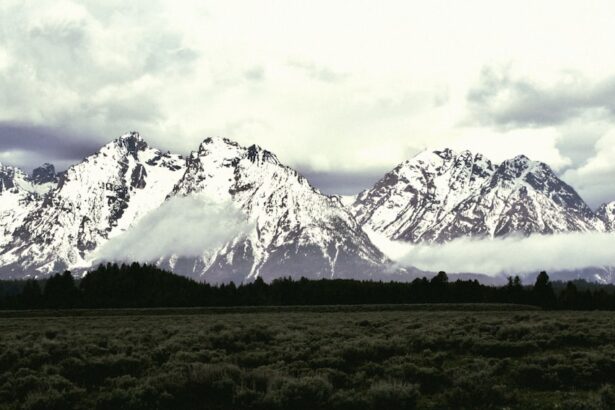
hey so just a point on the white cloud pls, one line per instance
(184, 227)
(509, 256)
(595, 180)
(367, 84)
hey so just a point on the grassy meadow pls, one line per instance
(317, 358)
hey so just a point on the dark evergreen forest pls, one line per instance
(143, 286)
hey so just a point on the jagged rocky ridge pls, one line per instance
(297, 230)
(443, 195)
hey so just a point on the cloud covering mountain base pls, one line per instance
(507, 256)
(182, 227)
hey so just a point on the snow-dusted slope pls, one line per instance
(606, 213)
(18, 197)
(297, 230)
(418, 193)
(93, 201)
(522, 196)
(440, 196)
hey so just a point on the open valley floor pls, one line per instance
(312, 359)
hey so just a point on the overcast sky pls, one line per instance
(342, 90)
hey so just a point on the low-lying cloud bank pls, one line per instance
(183, 227)
(508, 256)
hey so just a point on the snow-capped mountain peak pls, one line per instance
(443, 195)
(213, 144)
(258, 155)
(420, 191)
(94, 200)
(132, 142)
(297, 230)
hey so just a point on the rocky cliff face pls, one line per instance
(45, 174)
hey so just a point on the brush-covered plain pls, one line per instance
(310, 360)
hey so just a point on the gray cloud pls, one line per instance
(31, 145)
(598, 192)
(594, 178)
(342, 182)
(503, 100)
(577, 145)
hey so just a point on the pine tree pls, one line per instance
(60, 291)
(439, 285)
(543, 293)
(31, 295)
(569, 296)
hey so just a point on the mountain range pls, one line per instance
(297, 231)
(51, 222)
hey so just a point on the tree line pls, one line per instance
(141, 286)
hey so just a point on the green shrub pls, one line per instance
(536, 377)
(348, 400)
(94, 372)
(607, 397)
(305, 393)
(300, 359)
(384, 395)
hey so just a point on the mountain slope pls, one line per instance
(407, 201)
(17, 198)
(606, 213)
(440, 196)
(94, 200)
(297, 231)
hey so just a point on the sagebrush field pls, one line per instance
(309, 360)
